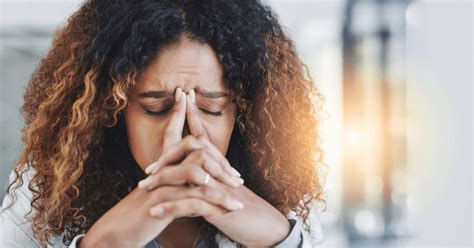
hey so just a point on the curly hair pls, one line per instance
(74, 101)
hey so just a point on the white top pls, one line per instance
(15, 230)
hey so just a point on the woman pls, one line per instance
(167, 124)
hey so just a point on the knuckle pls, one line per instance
(155, 197)
(209, 193)
(200, 154)
(192, 172)
(192, 142)
(208, 144)
(170, 207)
(196, 144)
(204, 191)
(158, 195)
(220, 198)
(198, 205)
(202, 138)
(216, 172)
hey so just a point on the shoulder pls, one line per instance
(19, 200)
(15, 225)
(21, 197)
(16, 208)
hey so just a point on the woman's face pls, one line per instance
(188, 65)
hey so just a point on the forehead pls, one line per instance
(185, 63)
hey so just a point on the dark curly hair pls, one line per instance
(74, 102)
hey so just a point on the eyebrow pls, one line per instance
(212, 94)
(155, 94)
(163, 93)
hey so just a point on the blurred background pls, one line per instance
(397, 78)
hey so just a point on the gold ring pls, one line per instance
(207, 179)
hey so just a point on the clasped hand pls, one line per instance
(190, 178)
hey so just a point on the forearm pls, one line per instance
(98, 240)
(279, 232)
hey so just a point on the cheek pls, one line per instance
(219, 131)
(144, 134)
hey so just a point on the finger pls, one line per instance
(194, 122)
(202, 157)
(192, 116)
(174, 130)
(176, 152)
(214, 195)
(192, 170)
(174, 175)
(221, 158)
(186, 207)
(197, 129)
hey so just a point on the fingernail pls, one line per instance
(150, 167)
(144, 183)
(156, 166)
(192, 96)
(235, 172)
(157, 210)
(177, 94)
(240, 181)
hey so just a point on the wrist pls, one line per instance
(84, 242)
(278, 235)
(96, 240)
(88, 241)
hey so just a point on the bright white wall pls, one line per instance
(439, 52)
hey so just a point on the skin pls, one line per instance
(186, 65)
(183, 65)
(178, 149)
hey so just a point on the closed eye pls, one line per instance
(165, 111)
(154, 113)
(218, 113)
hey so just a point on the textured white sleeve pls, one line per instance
(298, 237)
(295, 237)
(75, 241)
(15, 230)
